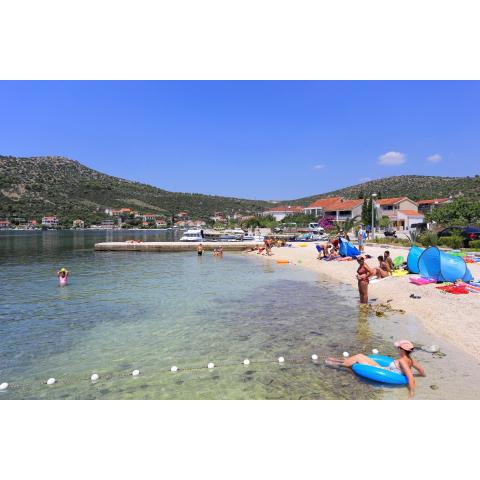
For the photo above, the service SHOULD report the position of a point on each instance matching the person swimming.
(403, 365)
(200, 250)
(62, 275)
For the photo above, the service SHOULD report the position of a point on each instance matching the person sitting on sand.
(200, 250)
(403, 365)
(389, 261)
(364, 272)
(383, 270)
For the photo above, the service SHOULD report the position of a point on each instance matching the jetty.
(172, 246)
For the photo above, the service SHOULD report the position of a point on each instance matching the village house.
(32, 223)
(319, 207)
(426, 206)
(149, 217)
(182, 215)
(4, 224)
(402, 212)
(108, 224)
(50, 222)
(281, 211)
(78, 223)
(218, 217)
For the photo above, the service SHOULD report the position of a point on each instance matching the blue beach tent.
(412, 259)
(347, 249)
(443, 267)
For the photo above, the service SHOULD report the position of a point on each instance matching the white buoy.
(314, 357)
(281, 360)
(210, 365)
(3, 386)
(246, 361)
(174, 369)
(346, 354)
(375, 351)
(136, 373)
(51, 381)
(94, 377)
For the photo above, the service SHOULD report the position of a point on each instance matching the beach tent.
(347, 249)
(443, 267)
(412, 259)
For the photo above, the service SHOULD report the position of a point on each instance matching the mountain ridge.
(55, 185)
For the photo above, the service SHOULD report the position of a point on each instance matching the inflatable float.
(282, 262)
(379, 374)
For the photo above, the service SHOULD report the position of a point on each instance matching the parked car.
(468, 233)
(390, 232)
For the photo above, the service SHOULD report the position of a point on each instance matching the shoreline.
(452, 318)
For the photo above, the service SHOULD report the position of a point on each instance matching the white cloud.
(392, 158)
(435, 158)
(319, 166)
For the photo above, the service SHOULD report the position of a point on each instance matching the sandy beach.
(454, 318)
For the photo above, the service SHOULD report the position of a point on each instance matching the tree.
(459, 212)
(366, 211)
(384, 222)
(346, 225)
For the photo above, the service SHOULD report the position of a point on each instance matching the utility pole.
(373, 215)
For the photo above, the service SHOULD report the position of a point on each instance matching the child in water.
(62, 275)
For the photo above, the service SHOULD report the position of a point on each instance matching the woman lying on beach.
(364, 272)
(403, 365)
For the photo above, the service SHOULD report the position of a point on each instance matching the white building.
(282, 211)
(50, 222)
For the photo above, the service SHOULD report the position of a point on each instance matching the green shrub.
(452, 242)
(428, 239)
(474, 244)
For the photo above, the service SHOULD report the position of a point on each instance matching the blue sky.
(261, 139)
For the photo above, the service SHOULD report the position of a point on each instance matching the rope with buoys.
(97, 377)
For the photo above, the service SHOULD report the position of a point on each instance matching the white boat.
(253, 238)
(194, 235)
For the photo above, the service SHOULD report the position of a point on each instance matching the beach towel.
(399, 273)
(455, 289)
(421, 281)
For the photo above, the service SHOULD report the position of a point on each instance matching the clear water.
(127, 310)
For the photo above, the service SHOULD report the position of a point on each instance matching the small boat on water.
(194, 235)
(232, 235)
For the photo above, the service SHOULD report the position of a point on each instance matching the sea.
(151, 311)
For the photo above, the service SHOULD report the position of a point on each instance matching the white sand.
(454, 318)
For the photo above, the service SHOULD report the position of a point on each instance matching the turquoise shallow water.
(122, 311)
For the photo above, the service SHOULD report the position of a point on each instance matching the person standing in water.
(364, 272)
(62, 275)
(200, 250)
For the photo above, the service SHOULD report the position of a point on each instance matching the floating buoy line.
(96, 378)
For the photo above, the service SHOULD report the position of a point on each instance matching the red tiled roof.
(324, 202)
(285, 208)
(411, 213)
(433, 200)
(390, 201)
(344, 205)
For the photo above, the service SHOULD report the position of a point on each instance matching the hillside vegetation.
(37, 186)
(416, 187)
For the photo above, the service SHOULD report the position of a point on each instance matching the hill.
(415, 187)
(36, 186)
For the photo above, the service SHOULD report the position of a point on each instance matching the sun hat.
(404, 345)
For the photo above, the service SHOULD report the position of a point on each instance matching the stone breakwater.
(172, 246)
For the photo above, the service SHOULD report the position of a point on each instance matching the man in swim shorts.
(200, 250)
(361, 235)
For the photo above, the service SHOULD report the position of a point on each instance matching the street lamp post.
(373, 215)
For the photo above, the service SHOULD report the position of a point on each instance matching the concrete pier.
(172, 246)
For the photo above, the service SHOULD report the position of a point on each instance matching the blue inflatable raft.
(380, 374)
